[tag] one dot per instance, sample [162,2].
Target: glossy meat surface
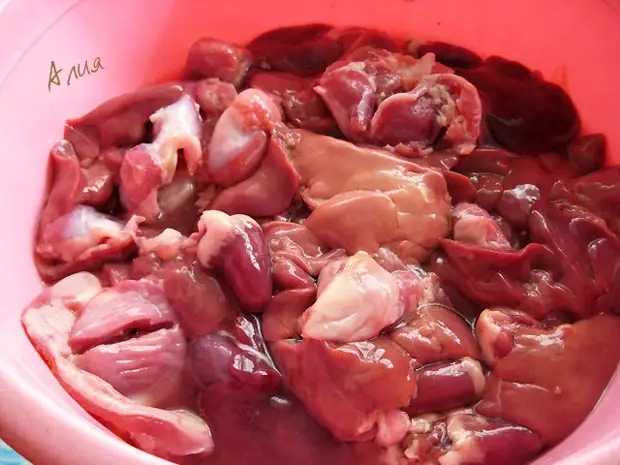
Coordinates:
[333,246]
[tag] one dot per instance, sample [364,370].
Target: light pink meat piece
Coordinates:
[446,385]
[271,189]
[148,167]
[409,221]
[82,238]
[119,122]
[295,242]
[460,111]
[236,245]
[48,321]
[240,137]
[279,86]
[435,334]
[178,127]
[73,184]
[355,305]
[438,101]
[147,369]
[212,58]
[297,254]
[74,291]
[350,389]
[392,427]
[330,166]
[349,93]
[433,291]
[355,232]
[166,245]
[69,236]
[473,225]
[539,372]
[116,313]
[389,202]
[281,319]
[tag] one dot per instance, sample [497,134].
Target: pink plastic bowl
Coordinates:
[140,42]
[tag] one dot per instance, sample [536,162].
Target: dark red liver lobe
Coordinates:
[524,113]
[303,50]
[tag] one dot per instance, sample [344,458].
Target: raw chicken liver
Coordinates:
[350,389]
[363,199]
[535,367]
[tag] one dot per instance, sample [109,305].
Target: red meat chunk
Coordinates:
[82,239]
[200,302]
[119,122]
[524,113]
[240,137]
[211,58]
[568,268]
[534,370]
[272,187]
[350,389]
[447,54]
[73,184]
[301,105]
[281,319]
[48,321]
[439,103]
[436,334]
[588,153]
[236,245]
[297,254]
[447,385]
[303,50]
[352,87]
[149,166]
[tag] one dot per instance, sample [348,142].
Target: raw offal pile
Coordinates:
[332,246]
